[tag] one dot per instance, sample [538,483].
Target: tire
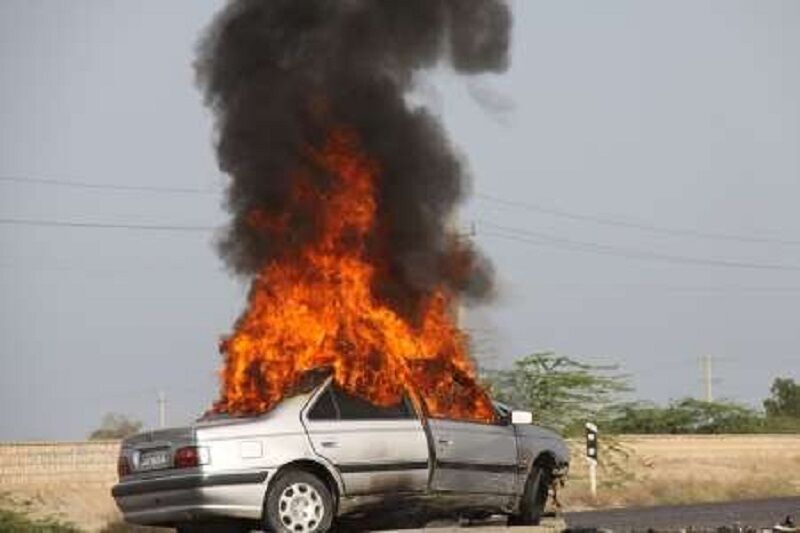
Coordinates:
[534,500]
[298,502]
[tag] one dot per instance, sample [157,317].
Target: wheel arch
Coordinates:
[546,459]
[317,468]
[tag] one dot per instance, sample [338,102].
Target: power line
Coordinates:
[516,234]
[102,225]
[542,239]
[719,289]
[103,186]
[638,254]
[632,225]
[608,221]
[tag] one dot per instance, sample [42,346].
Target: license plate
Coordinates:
[153,459]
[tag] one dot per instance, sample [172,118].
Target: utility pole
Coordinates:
[162,409]
[707,378]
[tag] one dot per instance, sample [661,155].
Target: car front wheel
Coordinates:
[299,502]
[534,500]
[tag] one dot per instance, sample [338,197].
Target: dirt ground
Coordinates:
[86,505]
[644,471]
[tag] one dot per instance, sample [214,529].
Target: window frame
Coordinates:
[498,421]
[331,389]
[326,391]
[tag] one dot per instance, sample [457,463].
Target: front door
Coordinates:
[375,449]
[474,457]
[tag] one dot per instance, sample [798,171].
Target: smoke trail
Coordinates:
[278,74]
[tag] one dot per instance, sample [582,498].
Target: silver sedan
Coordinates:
[325,453]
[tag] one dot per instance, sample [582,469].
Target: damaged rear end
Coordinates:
[169,477]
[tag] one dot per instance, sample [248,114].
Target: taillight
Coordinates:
[123,466]
[190,457]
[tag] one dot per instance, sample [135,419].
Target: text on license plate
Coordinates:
[154,459]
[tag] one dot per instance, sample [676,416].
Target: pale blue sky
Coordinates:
[676,114]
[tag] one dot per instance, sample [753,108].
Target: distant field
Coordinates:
[657,470]
[673,469]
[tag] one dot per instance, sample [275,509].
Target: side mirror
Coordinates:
[521,417]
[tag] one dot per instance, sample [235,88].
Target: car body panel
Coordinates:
[474,457]
[374,456]
[369,463]
[198,498]
[233,483]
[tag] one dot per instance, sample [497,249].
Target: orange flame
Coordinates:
[315,309]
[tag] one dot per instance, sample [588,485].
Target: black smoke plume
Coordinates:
[279,73]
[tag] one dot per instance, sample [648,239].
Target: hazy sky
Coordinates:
[642,158]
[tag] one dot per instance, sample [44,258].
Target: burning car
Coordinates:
[343,194]
[325,452]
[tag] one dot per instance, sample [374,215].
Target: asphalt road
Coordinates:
[747,514]
[754,515]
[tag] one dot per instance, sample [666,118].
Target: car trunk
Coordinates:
[154,451]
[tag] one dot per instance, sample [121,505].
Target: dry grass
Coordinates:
[88,505]
[678,469]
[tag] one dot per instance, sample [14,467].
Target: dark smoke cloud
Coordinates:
[279,73]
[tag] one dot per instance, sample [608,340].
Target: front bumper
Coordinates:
[175,499]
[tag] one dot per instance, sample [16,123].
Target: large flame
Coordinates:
[316,309]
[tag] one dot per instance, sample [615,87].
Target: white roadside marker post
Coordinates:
[591,457]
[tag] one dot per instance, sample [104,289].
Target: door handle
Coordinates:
[329,444]
[445,442]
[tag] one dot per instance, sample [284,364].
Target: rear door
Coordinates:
[473,457]
[375,449]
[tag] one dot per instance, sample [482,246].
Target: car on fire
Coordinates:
[324,453]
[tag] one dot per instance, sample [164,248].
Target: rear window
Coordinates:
[336,404]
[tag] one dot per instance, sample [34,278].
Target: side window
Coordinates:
[324,409]
[354,408]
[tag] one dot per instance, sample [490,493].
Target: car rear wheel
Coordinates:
[534,500]
[299,502]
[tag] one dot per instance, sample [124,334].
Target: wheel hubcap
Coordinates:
[300,508]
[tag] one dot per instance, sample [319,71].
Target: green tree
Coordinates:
[785,399]
[561,392]
[685,417]
[115,426]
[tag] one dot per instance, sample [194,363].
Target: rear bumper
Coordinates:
[175,499]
